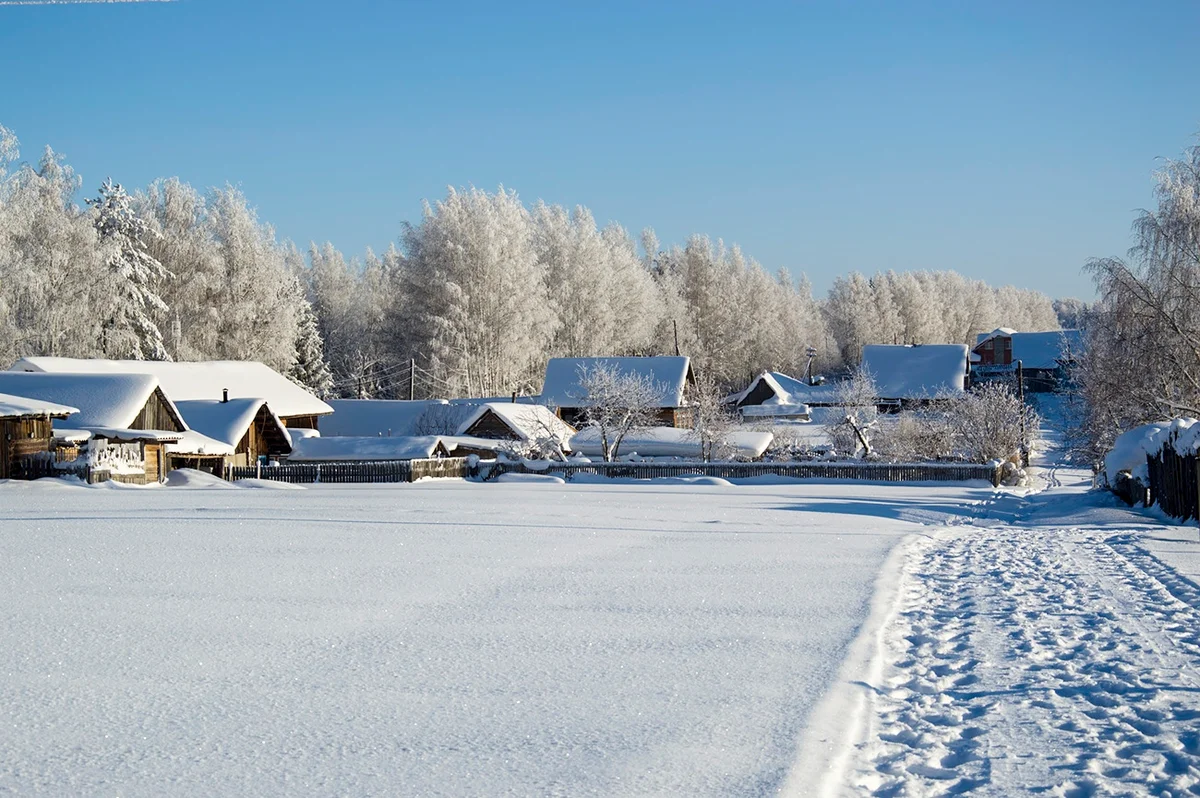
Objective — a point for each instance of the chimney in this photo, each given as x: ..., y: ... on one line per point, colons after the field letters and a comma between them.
x: 224, y: 395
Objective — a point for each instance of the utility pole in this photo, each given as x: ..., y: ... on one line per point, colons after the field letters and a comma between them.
x: 1021, y: 396
x: 675, y: 326
x: 412, y: 378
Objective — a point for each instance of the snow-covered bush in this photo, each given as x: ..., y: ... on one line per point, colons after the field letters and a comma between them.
x: 992, y: 423
x: 856, y: 398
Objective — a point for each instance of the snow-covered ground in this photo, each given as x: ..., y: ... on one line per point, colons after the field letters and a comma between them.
x: 441, y: 638
x: 534, y: 637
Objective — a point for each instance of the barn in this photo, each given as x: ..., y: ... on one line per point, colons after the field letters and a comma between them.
x: 562, y: 388
x: 516, y: 422
x: 204, y: 380
x: 26, y: 429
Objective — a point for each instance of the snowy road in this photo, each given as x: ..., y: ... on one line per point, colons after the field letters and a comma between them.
x: 1036, y: 647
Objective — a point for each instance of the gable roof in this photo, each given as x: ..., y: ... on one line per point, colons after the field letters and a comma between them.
x: 104, y: 400
x: 788, y: 391
x: 999, y: 332
x: 245, y: 379
x: 562, y: 389
x: 1044, y: 350
x: 24, y: 407
x: 226, y: 421
x: 924, y: 371
x: 526, y: 421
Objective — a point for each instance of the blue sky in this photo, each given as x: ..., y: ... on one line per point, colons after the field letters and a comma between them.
x: 1007, y: 141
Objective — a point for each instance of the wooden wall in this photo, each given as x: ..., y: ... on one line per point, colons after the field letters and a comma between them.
x: 157, y: 414
x: 490, y: 425
x: 20, y: 437
x: 300, y: 422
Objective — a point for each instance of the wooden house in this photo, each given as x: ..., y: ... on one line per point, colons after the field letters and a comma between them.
x: 1045, y: 357
x: 210, y: 380
x: 130, y: 410
x: 26, y: 430
x: 515, y: 422
x: 247, y: 425
x: 672, y: 376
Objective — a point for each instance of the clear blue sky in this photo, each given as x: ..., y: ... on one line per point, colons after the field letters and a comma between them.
x: 1008, y: 141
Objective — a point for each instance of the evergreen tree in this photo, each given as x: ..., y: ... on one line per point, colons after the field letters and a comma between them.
x: 130, y: 330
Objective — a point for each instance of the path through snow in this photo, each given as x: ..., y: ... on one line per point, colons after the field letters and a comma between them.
x: 1037, y: 647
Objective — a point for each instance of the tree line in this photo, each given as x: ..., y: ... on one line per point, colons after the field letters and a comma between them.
x: 470, y: 301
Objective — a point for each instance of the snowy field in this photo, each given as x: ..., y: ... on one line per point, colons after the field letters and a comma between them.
x: 537, y: 638
x: 431, y: 639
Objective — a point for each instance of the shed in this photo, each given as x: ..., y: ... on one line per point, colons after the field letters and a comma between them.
x: 775, y: 395
x: 26, y: 429
x: 515, y: 422
x: 247, y: 425
x: 198, y: 380
x: 916, y: 374
x: 673, y: 376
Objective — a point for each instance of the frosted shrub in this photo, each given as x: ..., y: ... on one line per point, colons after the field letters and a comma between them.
x: 992, y: 423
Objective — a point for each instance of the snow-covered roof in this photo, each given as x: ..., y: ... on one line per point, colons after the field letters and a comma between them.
x: 562, y: 389
x: 1044, y: 350
x: 71, y: 435
x: 103, y: 400
x: 364, y: 417
x: 787, y: 390
x: 670, y: 442
x: 198, y: 380
x: 225, y: 421
x: 195, y: 443
x: 776, y: 410
x: 452, y: 442
x: 364, y: 448
x: 924, y: 371
x: 527, y: 421
x: 999, y: 331
x: 22, y: 407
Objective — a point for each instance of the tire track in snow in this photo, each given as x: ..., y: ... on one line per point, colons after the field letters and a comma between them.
x: 1060, y: 661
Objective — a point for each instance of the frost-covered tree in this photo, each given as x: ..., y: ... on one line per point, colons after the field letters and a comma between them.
x: 617, y: 403
x: 475, y: 293
x: 712, y: 419
x: 309, y: 368
x: 856, y: 398
x: 130, y: 330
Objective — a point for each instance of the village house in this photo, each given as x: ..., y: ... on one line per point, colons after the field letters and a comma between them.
x: 778, y: 397
x: 1044, y: 356
x: 204, y: 380
x: 915, y: 375
x: 26, y: 430
x: 126, y: 410
x: 672, y: 376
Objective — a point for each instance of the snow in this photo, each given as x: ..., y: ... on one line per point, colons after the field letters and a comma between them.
x: 224, y: 421
x: 562, y: 389
x: 1044, y: 350
x: 1002, y: 332
x: 926, y: 371
x: 182, y: 381
x: 21, y: 406
x: 413, y: 447
x: 788, y: 391
x: 1131, y: 448
x: 359, y: 418
x: 192, y: 442
x: 530, y: 637
x: 149, y: 435
x: 441, y: 638
x: 104, y: 400
x: 670, y: 442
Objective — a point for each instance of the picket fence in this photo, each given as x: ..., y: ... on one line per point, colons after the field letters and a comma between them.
x: 877, y: 472
x: 353, y: 471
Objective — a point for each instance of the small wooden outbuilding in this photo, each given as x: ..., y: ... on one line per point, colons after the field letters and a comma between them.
x: 26, y: 429
x: 247, y: 425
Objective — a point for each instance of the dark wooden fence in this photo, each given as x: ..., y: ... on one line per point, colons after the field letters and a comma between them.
x: 353, y: 471
x: 1173, y: 483
x: 38, y: 467
x: 878, y: 472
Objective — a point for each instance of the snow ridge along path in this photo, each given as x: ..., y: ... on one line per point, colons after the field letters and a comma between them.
x: 1037, y: 647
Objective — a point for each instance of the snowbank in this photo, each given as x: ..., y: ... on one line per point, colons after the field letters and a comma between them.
x: 1131, y: 447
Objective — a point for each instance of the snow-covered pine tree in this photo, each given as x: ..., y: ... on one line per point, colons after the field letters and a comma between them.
x: 130, y: 329
x: 309, y: 368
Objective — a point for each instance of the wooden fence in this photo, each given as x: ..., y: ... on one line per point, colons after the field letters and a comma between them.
x: 878, y: 472
x: 353, y: 471
x: 38, y: 467
x: 1174, y: 482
